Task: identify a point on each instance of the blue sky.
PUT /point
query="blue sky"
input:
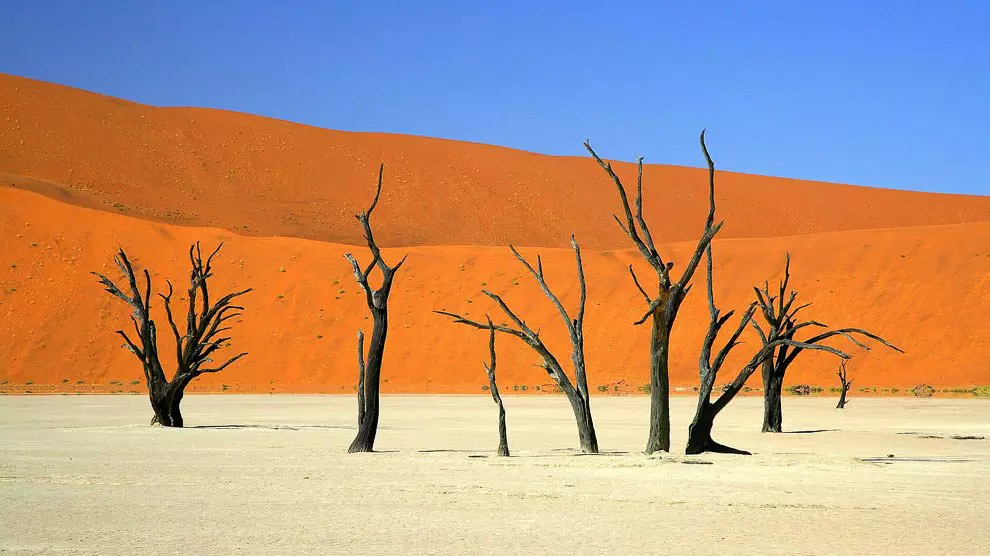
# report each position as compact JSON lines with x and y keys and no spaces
{"x":889,"y":94}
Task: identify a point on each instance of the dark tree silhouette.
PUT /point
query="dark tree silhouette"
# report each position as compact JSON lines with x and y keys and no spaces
{"x":664,"y":305}
{"x":503,"y":440}
{"x":194,"y":350}
{"x":370,"y":370}
{"x":576,"y":392}
{"x":779,"y":314}
{"x":846,"y":384}
{"x":700,"y":430}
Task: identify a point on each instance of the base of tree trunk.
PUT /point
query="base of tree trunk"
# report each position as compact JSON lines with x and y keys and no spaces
{"x":700,"y":438}
{"x":167,"y":413}
{"x":364,"y":441}
{"x":773,"y":416}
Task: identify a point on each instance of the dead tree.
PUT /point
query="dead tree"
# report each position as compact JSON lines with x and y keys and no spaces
{"x":370,"y":368}
{"x":780,"y":316}
{"x":700,"y":430}
{"x":576,"y":392}
{"x":193,"y":350}
{"x":846,"y":384}
{"x":503,"y":440}
{"x":664,"y":305}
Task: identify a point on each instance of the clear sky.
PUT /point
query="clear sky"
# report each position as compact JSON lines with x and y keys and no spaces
{"x":882,"y":93}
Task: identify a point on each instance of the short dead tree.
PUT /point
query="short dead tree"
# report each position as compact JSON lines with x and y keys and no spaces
{"x":194,"y":350}
{"x":846,"y":384}
{"x":780,"y":316}
{"x":576,"y":392}
{"x":664,"y":305}
{"x":370,"y":368}
{"x":503,"y":440}
{"x":700,"y":430}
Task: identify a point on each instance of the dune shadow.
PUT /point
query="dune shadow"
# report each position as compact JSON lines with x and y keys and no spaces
{"x":811,"y":431}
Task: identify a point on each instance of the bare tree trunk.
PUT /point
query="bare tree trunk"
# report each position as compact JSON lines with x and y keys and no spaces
{"x":361,"y":371}
{"x":700,"y":431}
{"x":665,"y":304}
{"x":846,"y":384}
{"x":585,"y":425}
{"x":364,"y":441}
{"x":576,"y":392}
{"x":773,"y":416}
{"x":503,"y":439}
{"x":369,"y":382}
{"x":659,"y":439}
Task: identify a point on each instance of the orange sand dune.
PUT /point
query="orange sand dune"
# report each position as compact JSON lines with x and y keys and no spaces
{"x":923,"y":288}
{"x":259,"y":176}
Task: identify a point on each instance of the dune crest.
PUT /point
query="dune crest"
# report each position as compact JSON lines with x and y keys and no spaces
{"x":265,"y":177}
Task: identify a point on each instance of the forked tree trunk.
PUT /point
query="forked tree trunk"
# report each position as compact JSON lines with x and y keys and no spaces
{"x":780,"y":313}
{"x":167,"y":402}
{"x":364,"y":441}
{"x":664,"y":305}
{"x":700,"y":431}
{"x":577,"y":391}
{"x":377,"y":299}
{"x":846,"y":384}
{"x":842,"y":398}
{"x":205,"y":326}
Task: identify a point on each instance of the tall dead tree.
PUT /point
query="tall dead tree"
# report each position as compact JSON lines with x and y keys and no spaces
{"x":503,"y":440}
{"x":664,"y":305}
{"x":194,"y":349}
{"x":370,"y":368}
{"x":700,"y":430}
{"x":846,"y":384}
{"x":576,"y":392}
{"x":780,"y":316}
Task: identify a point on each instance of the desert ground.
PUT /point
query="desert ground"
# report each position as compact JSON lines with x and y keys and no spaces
{"x":268,"y":474}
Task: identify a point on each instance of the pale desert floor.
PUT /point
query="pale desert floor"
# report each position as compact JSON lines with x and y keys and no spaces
{"x":269,"y":475}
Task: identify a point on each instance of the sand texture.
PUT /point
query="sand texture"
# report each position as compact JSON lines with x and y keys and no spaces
{"x":301,"y":320}
{"x":268,"y":475}
{"x":81,"y":174}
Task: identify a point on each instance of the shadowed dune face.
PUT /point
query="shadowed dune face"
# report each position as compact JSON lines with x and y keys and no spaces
{"x":266,"y":177}
{"x":922,"y":288}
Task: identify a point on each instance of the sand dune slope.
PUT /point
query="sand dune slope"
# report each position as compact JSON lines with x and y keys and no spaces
{"x":266,"y":177}
{"x":923,"y":288}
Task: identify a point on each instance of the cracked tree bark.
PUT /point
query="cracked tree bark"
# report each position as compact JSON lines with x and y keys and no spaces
{"x":193,"y":350}
{"x":370,"y":368}
{"x":665,"y":304}
{"x":577,"y":391}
